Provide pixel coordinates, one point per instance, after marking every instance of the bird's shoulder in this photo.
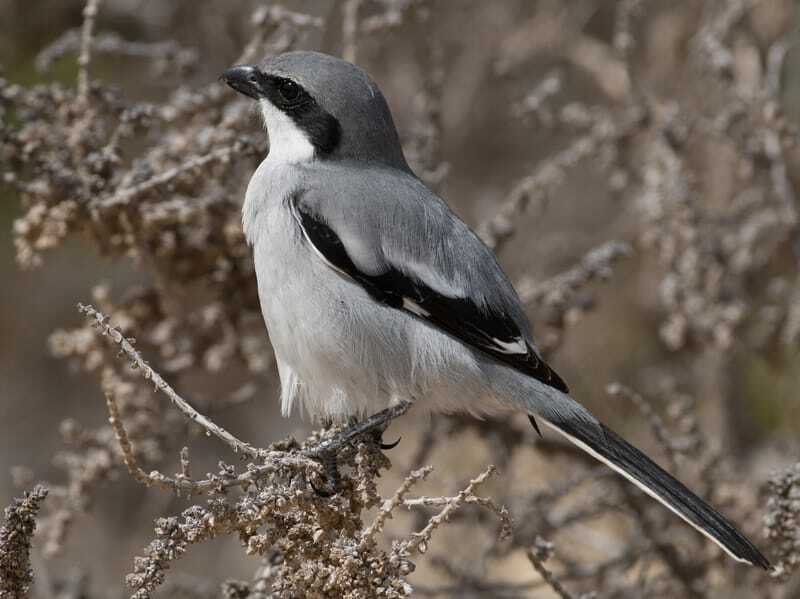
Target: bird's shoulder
(403, 245)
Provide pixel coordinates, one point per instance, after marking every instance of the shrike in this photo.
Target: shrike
(374, 292)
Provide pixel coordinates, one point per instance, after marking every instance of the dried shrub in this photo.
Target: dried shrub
(701, 171)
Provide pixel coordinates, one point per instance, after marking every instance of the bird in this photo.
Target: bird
(375, 294)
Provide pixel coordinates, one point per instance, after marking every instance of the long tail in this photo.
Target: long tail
(611, 449)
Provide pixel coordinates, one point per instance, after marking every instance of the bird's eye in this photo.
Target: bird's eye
(290, 91)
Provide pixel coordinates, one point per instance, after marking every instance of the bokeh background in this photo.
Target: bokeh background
(551, 127)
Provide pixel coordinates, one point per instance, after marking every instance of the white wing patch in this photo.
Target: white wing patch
(517, 346)
(415, 308)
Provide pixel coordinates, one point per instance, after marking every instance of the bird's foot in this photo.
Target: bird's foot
(333, 480)
(326, 452)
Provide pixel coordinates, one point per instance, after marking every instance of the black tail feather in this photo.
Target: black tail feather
(610, 448)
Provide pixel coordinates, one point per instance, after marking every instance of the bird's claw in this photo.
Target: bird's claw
(386, 446)
(326, 451)
(331, 467)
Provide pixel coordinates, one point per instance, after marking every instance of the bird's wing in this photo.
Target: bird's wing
(413, 254)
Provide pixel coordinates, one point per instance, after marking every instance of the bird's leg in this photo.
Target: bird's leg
(326, 451)
(331, 467)
(377, 434)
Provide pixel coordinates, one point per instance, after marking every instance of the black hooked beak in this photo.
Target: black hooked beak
(245, 79)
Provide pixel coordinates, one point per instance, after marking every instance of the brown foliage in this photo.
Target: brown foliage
(674, 108)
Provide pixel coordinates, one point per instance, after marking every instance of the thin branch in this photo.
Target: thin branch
(112, 43)
(385, 513)
(537, 557)
(195, 163)
(419, 540)
(85, 56)
(100, 321)
(537, 187)
(182, 483)
(596, 264)
(506, 525)
(350, 21)
(657, 424)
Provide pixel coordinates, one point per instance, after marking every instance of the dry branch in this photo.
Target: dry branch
(16, 537)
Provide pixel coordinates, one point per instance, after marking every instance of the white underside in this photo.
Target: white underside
(644, 488)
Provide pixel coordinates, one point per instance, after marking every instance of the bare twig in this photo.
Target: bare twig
(419, 540)
(368, 535)
(350, 22)
(272, 461)
(537, 556)
(657, 424)
(596, 264)
(84, 58)
(112, 43)
(100, 321)
(506, 525)
(193, 164)
(535, 188)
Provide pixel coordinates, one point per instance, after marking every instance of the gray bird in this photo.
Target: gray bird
(375, 293)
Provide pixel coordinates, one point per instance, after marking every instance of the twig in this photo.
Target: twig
(534, 102)
(392, 17)
(85, 57)
(125, 445)
(275, 19)
(350, 15)
(385, 513)
(500, 511)
(273, 460)
(419, 540)
(775, 59)
(537, 556)
(113, 43)
(536, 187)
(595, 264)
(780, 177)
(100, 321)
(657, 424)
(685, 572)
(126, 195)
(710, 39)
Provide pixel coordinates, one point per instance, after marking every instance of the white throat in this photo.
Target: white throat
(288, 144)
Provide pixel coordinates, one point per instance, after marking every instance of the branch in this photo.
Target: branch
(100, 321)
(127, 194)
(537, 555)
(85, 57)
(15, 543)
(419, 540)
(385, 513)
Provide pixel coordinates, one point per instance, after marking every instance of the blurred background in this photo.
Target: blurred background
(632, 162)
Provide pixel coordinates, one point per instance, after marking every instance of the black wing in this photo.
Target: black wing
(493, 333)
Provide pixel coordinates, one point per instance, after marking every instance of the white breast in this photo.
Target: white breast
(288, 144)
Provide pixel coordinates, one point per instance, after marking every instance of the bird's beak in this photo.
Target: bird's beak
(245, 79)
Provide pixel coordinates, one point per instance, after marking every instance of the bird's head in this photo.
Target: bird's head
(319, 107)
